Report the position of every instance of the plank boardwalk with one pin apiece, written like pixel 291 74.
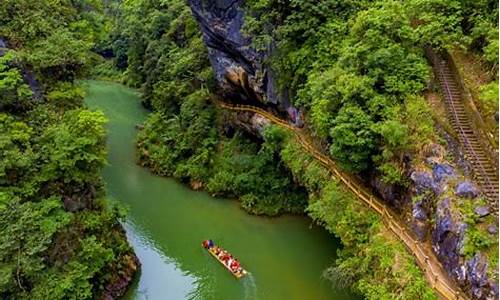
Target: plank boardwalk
pixel 425 258
pixel 485 171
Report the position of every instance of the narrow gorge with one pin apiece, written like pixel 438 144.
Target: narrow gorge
pixel 338 149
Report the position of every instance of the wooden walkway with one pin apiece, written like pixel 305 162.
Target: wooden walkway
pixel 425 258
pixel 485 170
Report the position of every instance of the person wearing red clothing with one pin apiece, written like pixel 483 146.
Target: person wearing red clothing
pixel 235 265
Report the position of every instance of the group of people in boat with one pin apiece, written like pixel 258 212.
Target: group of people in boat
pixel 232 263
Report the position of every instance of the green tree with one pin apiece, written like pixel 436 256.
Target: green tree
pixel 75 147
pixel 17 157
pixel 353 138
pixel 14 93
pixel 27 232
pixel 61 55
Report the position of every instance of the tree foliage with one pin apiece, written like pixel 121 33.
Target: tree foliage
pixel 27 232
pixel 356 67
pixel 167 58
pixel 55 38
pixel 14 93
pixel 372 261
pixel 180 145
pixel 335 58
pixel 60 238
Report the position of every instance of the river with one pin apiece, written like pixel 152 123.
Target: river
pixel 167 222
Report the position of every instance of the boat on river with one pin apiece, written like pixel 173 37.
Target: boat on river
pixel 225 258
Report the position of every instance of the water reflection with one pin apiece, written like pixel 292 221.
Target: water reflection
pixel 162 274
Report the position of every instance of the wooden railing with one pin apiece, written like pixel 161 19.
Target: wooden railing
pixel 427 261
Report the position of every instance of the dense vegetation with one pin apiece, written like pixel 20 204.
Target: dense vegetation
pixel 359 66
pixel 167 59
pixel 60 238
pixel 359 70
pixel 372 261
pixel 226 166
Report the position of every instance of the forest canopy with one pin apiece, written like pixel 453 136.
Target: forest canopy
pixel 357 69
pixel 51 153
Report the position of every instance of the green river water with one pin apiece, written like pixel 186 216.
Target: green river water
pixel 167 222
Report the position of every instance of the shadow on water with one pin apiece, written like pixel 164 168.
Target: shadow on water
pixel 167 222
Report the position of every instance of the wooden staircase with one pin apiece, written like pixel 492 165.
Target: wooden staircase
pixel 484 168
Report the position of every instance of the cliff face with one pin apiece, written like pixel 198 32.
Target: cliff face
pixel 435 186
pixel 240 71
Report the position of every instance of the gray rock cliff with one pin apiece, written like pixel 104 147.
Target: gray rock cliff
pixel 240 71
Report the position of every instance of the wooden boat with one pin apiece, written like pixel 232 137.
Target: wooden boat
pixel 238 273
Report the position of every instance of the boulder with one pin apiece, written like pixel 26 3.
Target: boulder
pixel 442 172
pixel 420 220
pixel 120 281
pixel 482 211
pixel 74 204
pixel 27 73
pixel 492 229
pixel 480 285
pixel 418 212
pixel 466 189
pixel 461 228
pixel 446 238
pixel 423 182
pixel 196 185
pixel 420 230
pixel 3 46
pixel 385 190
pixel 434 151
pixel 79 198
